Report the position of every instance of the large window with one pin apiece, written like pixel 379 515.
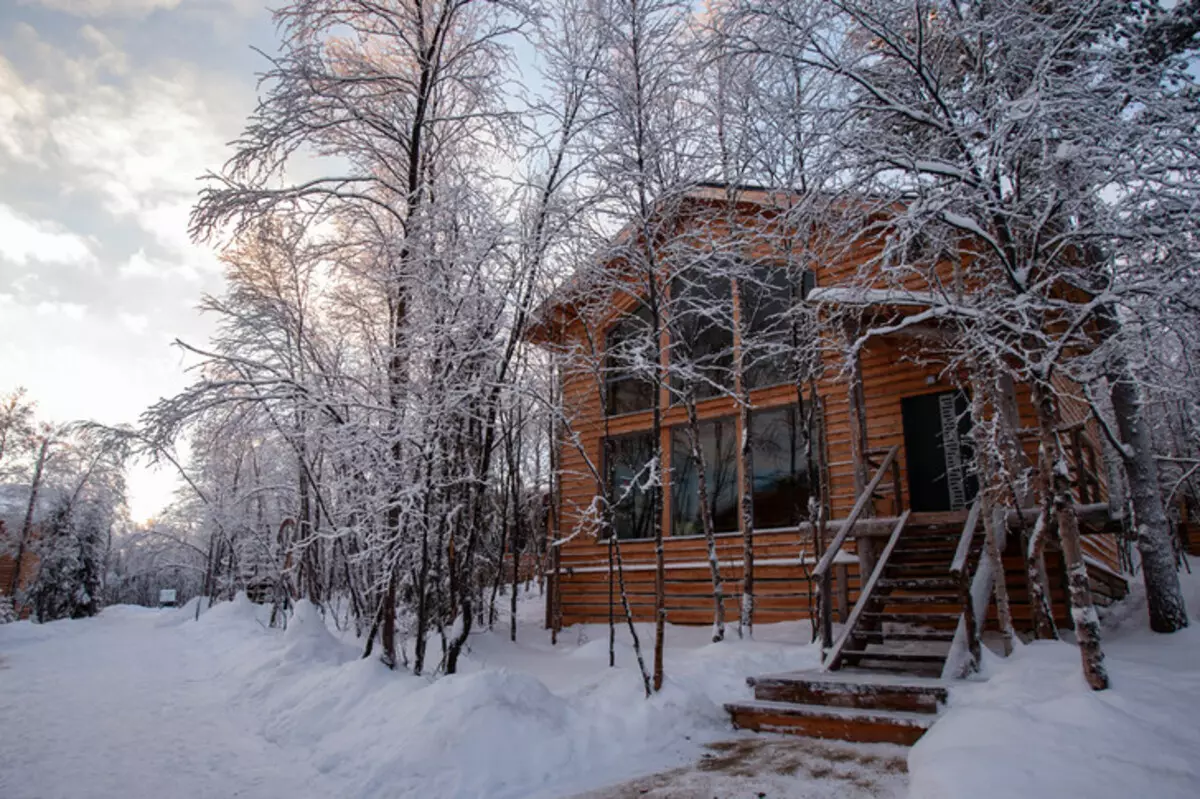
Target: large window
pixel 717 443
pixel 781 479
pixel 631 358
pixel 767 294
pixel 627 461
pixel 701 330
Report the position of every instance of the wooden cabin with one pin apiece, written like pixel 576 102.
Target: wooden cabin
pixel 894 467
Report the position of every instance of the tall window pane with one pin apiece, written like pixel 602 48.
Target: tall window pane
pixel 766 295
pixel 630 361
pixel 717 443
pixel 701 331
pixel 627 459
pixel 781 479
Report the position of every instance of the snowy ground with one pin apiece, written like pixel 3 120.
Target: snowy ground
pixel 1034 729
pixel 143 703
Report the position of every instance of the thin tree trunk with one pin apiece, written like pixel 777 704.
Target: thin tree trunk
pixel 1057 488
pixel 746 477
pixel 986 460
pixel 27 523
pixel 388 625
pixel 745 470
pixel 1044 627
pixel 637 643
pixel 706 520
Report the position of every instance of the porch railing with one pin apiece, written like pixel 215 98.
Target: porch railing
pixel 834 659
pixel 823 571
pixel 975 590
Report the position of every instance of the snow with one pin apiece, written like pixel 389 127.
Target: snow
pixel 141 702
pixel 854 295
pixel 1035 730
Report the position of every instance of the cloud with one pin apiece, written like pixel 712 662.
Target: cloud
pixel 24 240
pixel 135 139
pixel 189 269
pixel 61 310
pixel 101 8
pixel 21 108
pixel 135 323
pixel 141 8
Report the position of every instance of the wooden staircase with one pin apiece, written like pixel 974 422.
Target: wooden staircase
pixel 916 622
pixel 910 617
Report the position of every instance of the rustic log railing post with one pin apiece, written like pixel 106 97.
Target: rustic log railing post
pixel 826 610
pixel 897 503
pixel 843 590
pixel 959 570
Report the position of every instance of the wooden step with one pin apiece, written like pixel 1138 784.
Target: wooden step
pixel 837 723
pixel 927 550
pixel 916 571
pixel 931 598
pixel 886 656
pixel 913 618
pixel 906 670
pixel 878 636
pixel 842 689
pixel 928 534
pixel 918 583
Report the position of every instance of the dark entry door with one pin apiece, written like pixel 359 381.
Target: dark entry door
pixel 940 459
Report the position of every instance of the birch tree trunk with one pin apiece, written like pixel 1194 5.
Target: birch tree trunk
pixel 1057 487
pixel 1164 596
pixel 714 567
pixel 985 459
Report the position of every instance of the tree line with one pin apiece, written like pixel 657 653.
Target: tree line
pixel 370 427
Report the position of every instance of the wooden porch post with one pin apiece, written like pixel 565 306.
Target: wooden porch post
pixel 858 447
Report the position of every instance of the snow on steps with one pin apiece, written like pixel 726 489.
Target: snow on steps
pixel 865 708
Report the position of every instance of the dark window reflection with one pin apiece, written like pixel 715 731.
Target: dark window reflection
pixel 627 458
pixel 631 358
pixel 701 331
pixel 717 445
pixel 781 479
pixel 767 294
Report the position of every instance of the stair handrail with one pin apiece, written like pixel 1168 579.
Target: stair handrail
pixel 967 634
pixel 834 659
pixel 821 572
pixel 963 552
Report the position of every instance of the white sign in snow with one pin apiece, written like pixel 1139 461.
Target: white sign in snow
pixel 166 596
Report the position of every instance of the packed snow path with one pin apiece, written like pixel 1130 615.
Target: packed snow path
pixel 120 706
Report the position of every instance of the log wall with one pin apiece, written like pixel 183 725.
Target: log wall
pixel 892 369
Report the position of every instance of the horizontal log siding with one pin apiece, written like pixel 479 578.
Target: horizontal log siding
pixel 781 587
pixel 889 375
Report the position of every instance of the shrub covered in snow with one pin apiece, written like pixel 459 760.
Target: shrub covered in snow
pixel 7 613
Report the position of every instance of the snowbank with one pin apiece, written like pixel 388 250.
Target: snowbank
pixel 523 720
pixel 1034 729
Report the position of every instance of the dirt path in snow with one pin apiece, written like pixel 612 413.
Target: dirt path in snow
pixel 776 767
pixel 120 708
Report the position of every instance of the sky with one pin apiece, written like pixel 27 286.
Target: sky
pixel 110 111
